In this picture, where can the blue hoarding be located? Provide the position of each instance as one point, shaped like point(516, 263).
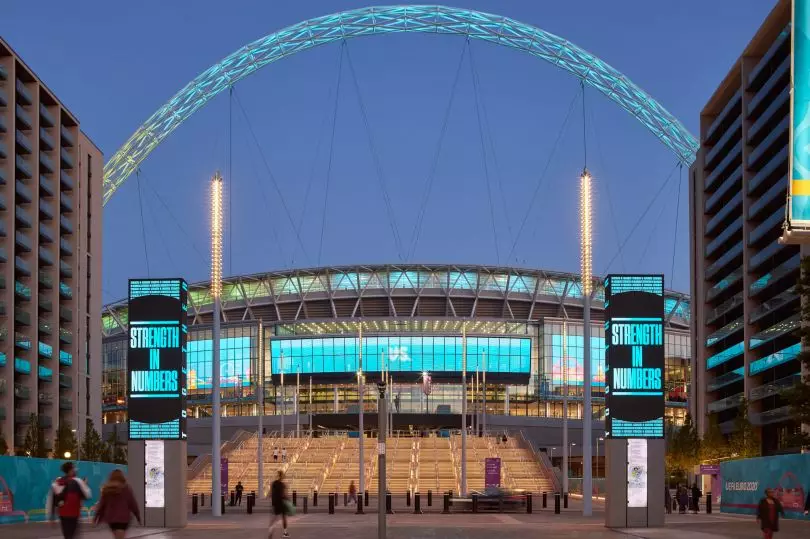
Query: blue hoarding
point(800, 116)
point(744, 483)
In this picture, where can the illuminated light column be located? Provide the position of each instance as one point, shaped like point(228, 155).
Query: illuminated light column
point(283, 409)
point(297, 393)
point(362, 467)
point(310, 405)
point(586, 221)
point(260, 395)
point(484, 395)
point(463, 487)
point(565, 407)
point(216, 292)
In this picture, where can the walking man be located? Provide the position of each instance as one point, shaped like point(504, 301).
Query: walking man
point(239, 489)
point(281, 506)
point(65, 497)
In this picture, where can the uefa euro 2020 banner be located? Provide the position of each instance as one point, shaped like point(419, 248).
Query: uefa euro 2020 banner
point(744, 483)
point(24, 485)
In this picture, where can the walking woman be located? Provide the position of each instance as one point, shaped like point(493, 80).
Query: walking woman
point(117, 504)
point(768, 514)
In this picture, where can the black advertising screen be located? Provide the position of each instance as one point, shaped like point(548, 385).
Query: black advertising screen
point(634, 356)
point(156, 358)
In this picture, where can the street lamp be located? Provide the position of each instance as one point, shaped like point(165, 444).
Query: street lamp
point(586, 251)
point(67, 455)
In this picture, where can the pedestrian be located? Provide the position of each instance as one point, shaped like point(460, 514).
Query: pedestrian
point(239, 489)
point(352, 493)
point(275, 454)
point(117, 505)
point(281, 505)
point(667, 500)
point(65, 497)
point(695, 498)
point(807, 504)
point(283, 454)
point(768, 514)
point(683, 499)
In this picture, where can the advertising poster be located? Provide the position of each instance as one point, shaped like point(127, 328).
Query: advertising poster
point(800, 113)
point(155, 474)
point(637, 473)
point(744, 483)
point(492, 473)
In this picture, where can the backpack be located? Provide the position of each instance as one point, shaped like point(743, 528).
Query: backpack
point(69, 501)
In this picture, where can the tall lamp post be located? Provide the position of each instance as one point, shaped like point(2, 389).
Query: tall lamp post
point(216, 292)
point(565, 445)
point(586, 221)
point(464, 410)
point(382, 414)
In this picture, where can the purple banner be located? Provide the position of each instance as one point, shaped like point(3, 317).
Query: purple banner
point(492, 472)
point(709, 469)
point(223, 474)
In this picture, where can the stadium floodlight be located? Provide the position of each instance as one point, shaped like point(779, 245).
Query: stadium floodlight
point(586, 226)
point(586, 250)
point(216, 292)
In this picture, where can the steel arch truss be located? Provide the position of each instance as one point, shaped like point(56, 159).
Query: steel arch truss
point(390, 19)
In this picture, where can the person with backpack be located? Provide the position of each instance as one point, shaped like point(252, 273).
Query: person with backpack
point(65, 497)
point(116, 505)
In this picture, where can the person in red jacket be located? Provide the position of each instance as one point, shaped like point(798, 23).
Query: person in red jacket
point(65, 497)
point(116, 505)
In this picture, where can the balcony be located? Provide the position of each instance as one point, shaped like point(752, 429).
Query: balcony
point(65, 358)
point(3, 255)
point(66, 158)
point(65, 292)
point(22, 341)
point(65, 403)
point(22, 317)
point(759, 73)
point(64, 269)
point(23, 117)
point(66, 202)
point(726, 355)
point(2, 359)
point(776, 193)
point(65, 380)
point(780, 77)
point(757, 130)
point(65, 225)
point(785, 269)
point(764, 255)
point(727, 258)
point(724, 332)
point(45, 399)
point(733, 131)
point(23, 192)
point(45, 304)
point(780, 300)
point(3, 151)
point(66, 180)
point(785, 327)
point(22, 267)
point(24, 169)
point(67, 137)
point(24, 146)
point(3, 205)
point(44, 373)
point(45, 117)
point(45, 233)
point(44, 327)
point(732, 157)
point(65, 314)
point(45, 186)
point(22, 366)
point(23, 217)
point(724, 308)
point(3, 408)
point(21, 392)
point(65, 336)
point(23, 93)
point(22, 417)
point(3, 125)
point(725, 404)
point(714, 128)
point(3, 384)
point(777, 165)
point(45, 209)
point(22, 291)
point(65, 247)
point(47, 163)
point(773, 139)
point(725, 283)
point(724, 236)
point(774, 388)
point(45, 280)
point(44, 350)
point(733, 181)
point(737, 375)
point(776, 415)
point(772, 360)
point(23, 242)
point(732, 206)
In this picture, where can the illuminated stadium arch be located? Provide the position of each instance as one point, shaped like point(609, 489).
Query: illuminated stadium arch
point(390, 19)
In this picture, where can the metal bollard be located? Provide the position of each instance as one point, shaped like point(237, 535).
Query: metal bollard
point(337, 499)
point(556, 503)
point(295, 498)
point(306, 508)
point(331, 504)
point(223, 504)
point(366, 496)
point(250, 499)
point(417, 509)
point(359, 505)
point(475, 503)
point(202, 500)
point(388, 510)
point(408, 498)
point(446, 509)
point(345, 499)
point(545, 500)
point(194, 504)
point(500, 503)
point(708, 503)
point(565, 500)
point(233, 498)
point(529, 502)
point(430, 498)
point(315, 499)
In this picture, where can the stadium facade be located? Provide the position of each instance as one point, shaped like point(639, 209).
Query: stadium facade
point(524, 327)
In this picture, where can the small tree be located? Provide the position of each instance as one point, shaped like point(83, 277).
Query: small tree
point(3, 444)
point(116, 452)
point(799, 396)
point(745, 442)
point(93, 447)
point(65, 440)
point(714, 446)
point(34, 444)
point(686, 446)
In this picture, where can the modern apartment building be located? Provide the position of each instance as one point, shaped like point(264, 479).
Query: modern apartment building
point(745, 309)
point(50, 260)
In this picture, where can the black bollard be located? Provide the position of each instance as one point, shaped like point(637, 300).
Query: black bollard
point(708, 503)
point(315, 499)
point(430, 498)
point(331, 504)
point(223, 504)
point(556, 503)
point(250, 504)
point(202, 500)
point(417, 509)
point(345, 499)
point(295, 498)
point(194, 504)
point(500, 503)
point(233, 498)
point(565, 500)
point(306, 508)
point(408, 498)
point(475, 503)
point(446, 509)
point(366, 496)
point(388, 510)
point(337, 499)
point(529, 502)
point(545, 500)
point(359, 505)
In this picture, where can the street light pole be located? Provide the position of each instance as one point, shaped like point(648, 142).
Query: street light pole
point(362, 467)
point(565, 407)
point(463, 486)
point(216, 292)
point(484, 395)
point(587, 285)
point(297, 394)
point(382, 414)
point(260, 396)
point(283, 404)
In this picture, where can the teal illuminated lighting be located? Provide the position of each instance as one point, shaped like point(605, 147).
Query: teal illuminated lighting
point(777, 358)
point(158, 287)
point(45, 350)
point(2, 359)
point(368, 21)
point(726, 355)
point(23, 366)
point(44, 372)
point(65, 358)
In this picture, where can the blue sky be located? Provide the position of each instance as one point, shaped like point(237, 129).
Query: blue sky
point(114, 63)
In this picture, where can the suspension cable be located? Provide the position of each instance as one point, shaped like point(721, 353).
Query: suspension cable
point(331, 152)
point(484, 158)
point(652, 233)
point(543, 175)
point(675, 238)
point(153, 217)
point(143, 223)
point(435, 163)
point(229, 182)
point(380, 175)
point(584, 128)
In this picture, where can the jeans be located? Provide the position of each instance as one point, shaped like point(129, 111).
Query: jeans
point(69, 527)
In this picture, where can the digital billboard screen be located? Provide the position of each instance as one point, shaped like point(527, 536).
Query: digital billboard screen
point(156, 358)
point(634, 356)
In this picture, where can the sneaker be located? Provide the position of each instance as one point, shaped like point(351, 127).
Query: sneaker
point(286, 534)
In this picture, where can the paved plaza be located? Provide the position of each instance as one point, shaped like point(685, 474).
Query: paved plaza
point(543, 524)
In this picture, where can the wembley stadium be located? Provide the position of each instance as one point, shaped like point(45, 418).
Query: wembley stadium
point(523, 327)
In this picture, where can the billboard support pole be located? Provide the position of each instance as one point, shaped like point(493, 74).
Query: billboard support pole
point(216, 290)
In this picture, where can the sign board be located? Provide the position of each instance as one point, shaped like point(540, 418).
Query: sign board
point(799, 147)
point(637, 472)
point(154, 474)
point(744, 483)
point(492, 472)
point(156, 360)
point(223, 475)
point(634, 356)
point(709, 469)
